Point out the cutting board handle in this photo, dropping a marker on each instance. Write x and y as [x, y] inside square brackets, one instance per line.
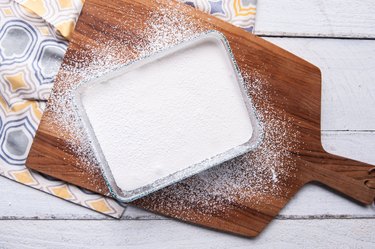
[370, 183]
[352, 178]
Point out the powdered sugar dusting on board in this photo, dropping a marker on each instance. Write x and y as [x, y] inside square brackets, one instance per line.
[164, 29]
[61, 105]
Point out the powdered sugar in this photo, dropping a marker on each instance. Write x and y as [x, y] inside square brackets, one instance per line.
[163, 29]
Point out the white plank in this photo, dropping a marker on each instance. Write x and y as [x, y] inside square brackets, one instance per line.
[171, 234]
[315, 201]
[316, 18]
[358, 145]
[348, 69]
[20, 202]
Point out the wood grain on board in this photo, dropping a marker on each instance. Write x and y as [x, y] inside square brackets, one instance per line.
[293, 89]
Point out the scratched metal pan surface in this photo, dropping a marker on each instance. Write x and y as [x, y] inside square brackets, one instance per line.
[128, 196]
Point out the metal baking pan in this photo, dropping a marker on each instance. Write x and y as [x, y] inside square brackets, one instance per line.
[127, 196]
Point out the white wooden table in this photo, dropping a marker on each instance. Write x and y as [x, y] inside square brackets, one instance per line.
[315, 218]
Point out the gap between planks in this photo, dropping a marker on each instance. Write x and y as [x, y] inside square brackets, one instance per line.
[156, 217]
[316, 18]
[313, 36]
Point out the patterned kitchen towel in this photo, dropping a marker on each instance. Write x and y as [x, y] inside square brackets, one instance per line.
[33, 41]
[61, 14]
[34, 36]
[238, 12]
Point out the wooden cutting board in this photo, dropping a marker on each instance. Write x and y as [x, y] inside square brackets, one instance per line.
[241, 196]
